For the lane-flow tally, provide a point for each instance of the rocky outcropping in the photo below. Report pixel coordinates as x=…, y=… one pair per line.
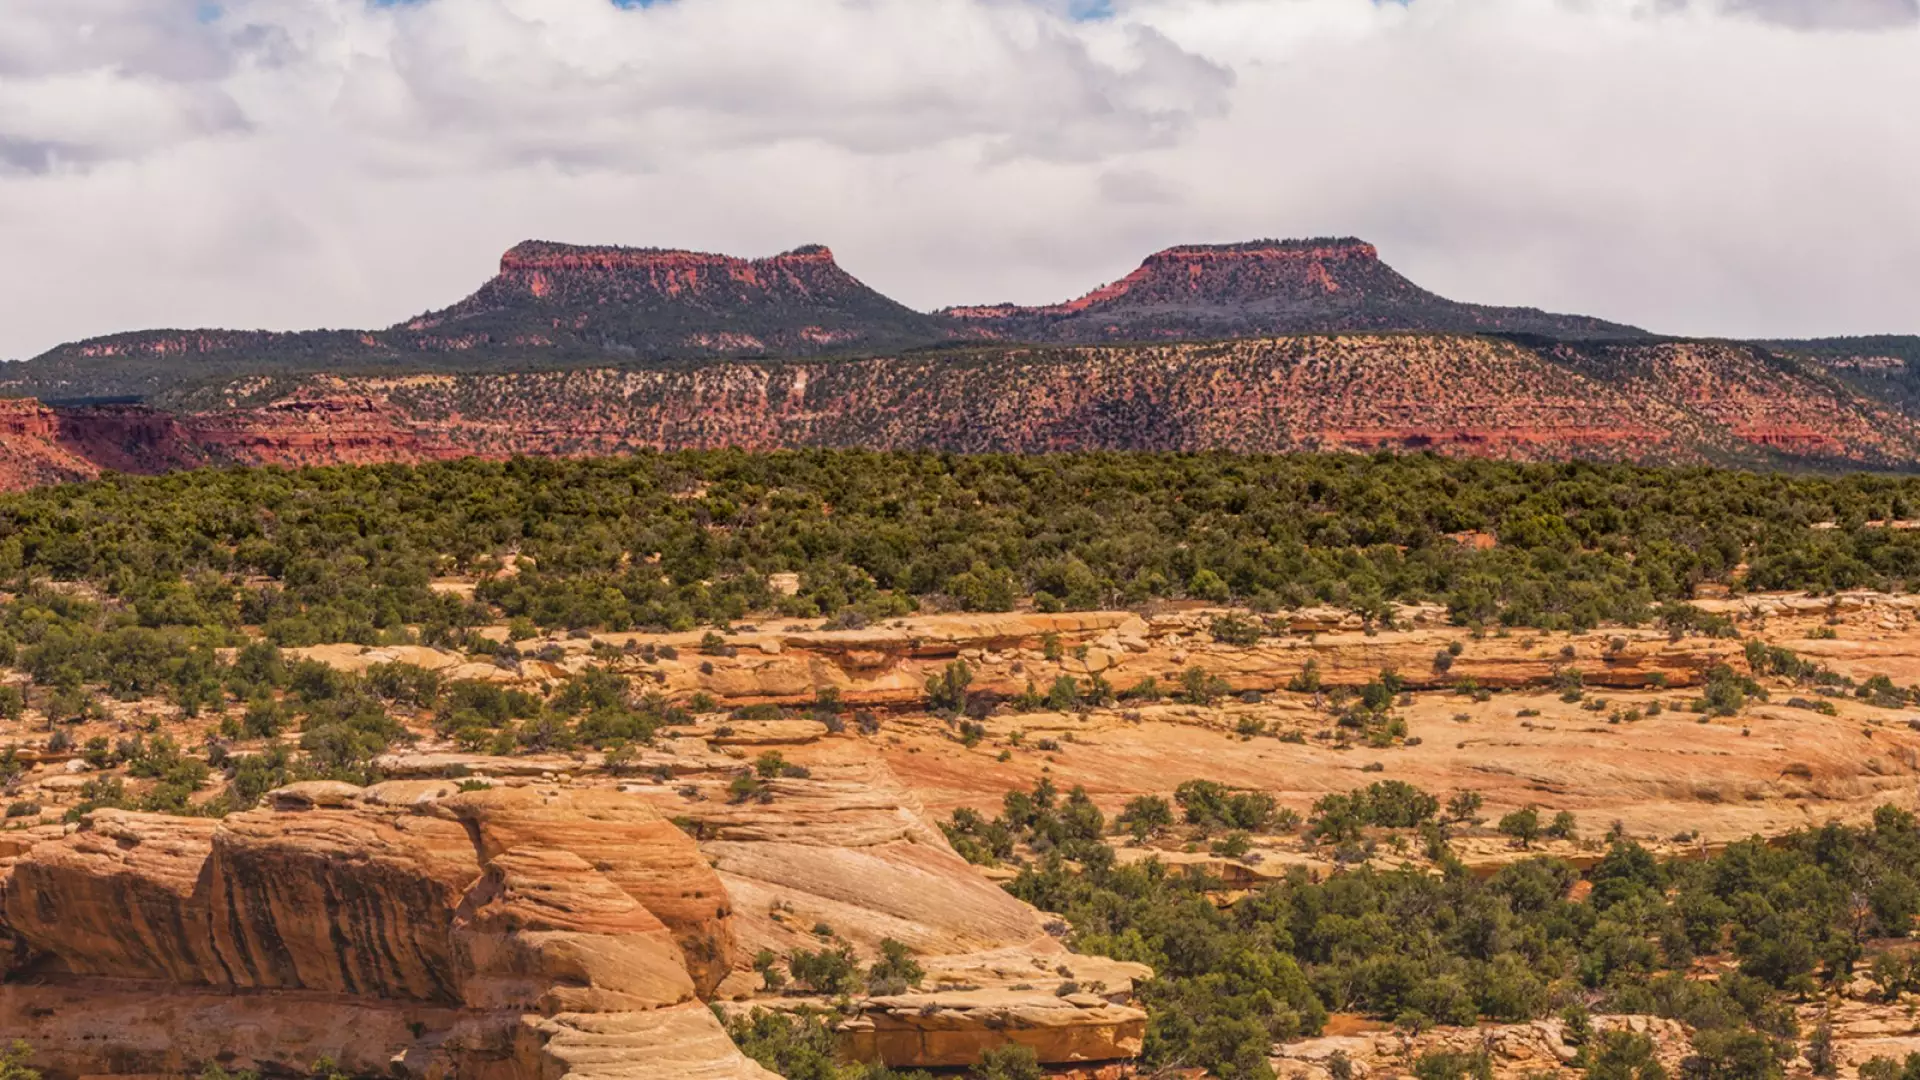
x=534, y=930
x=407, y=925
x=1632, y=750
x=1662, y=403
x=1537, y=1049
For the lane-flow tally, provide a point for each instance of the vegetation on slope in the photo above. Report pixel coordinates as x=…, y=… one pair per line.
x=1885, y=366
x=1774, y=923
x=132, y=587
x=675, y=540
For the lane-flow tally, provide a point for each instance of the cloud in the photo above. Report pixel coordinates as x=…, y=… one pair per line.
x=1719, y=166
x=1832, y=14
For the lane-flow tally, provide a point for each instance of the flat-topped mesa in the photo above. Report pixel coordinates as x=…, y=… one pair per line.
x=552, y=271
x=1251, y=274
x=164, y=345
x=1247, y=273
x=1260, y=287
x=660, y=302
x=541, y=255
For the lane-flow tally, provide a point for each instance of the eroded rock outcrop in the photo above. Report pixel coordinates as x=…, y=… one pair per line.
x=626, y=844
x=340, y=901
x=533, y=929
x=399, y=922
x=1539, y=1048
x=124, y=898
x=848, y=848
x=1667, y=402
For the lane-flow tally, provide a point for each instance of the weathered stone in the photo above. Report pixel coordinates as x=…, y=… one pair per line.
x=342, y=901
x=544, y=931
x=626, y=841
x=121, y=897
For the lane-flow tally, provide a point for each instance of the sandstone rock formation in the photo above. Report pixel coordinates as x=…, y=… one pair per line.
x=543, y=930
x=435, y=933
x=1667, y=402
x=567, y=916
x=1514, y=1050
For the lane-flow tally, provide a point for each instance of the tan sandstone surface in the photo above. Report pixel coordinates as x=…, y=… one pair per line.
x=562, y=917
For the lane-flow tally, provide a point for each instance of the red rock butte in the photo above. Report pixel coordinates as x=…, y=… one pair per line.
x=1216, y=273
x=565, y=273
x=545, y=255
x=655, y=302
x=555, y=304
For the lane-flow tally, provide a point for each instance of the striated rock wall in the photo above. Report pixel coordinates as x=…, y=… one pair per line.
x=533, y=930
x=341, y=901
x=391, y=923
x=1667, y=402
x=630, y=845
x=124, y=898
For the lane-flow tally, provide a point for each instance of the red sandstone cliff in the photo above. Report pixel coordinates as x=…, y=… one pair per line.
x=34, y=449
x=1666, y=402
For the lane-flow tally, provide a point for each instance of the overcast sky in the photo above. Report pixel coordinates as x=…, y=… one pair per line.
x=1736, y=167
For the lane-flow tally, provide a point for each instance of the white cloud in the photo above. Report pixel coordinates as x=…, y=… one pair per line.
x=1738, y=167
x=1832, y=14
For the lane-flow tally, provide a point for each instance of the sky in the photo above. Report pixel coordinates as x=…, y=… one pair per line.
x=1710, y=167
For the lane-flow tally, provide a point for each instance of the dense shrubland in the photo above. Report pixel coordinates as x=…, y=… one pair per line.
x=141, y=587
x=318, y=722
x=677, y=540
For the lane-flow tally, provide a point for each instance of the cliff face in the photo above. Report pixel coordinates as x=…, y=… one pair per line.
x=372, y=927
x=1658, y=403
x=1266, y=287
x=31, y=452
x=519, y=932
x=563, y=274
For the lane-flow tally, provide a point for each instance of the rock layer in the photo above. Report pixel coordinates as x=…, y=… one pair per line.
x=538, y=930
x=1671, y=402
x=366, y=913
